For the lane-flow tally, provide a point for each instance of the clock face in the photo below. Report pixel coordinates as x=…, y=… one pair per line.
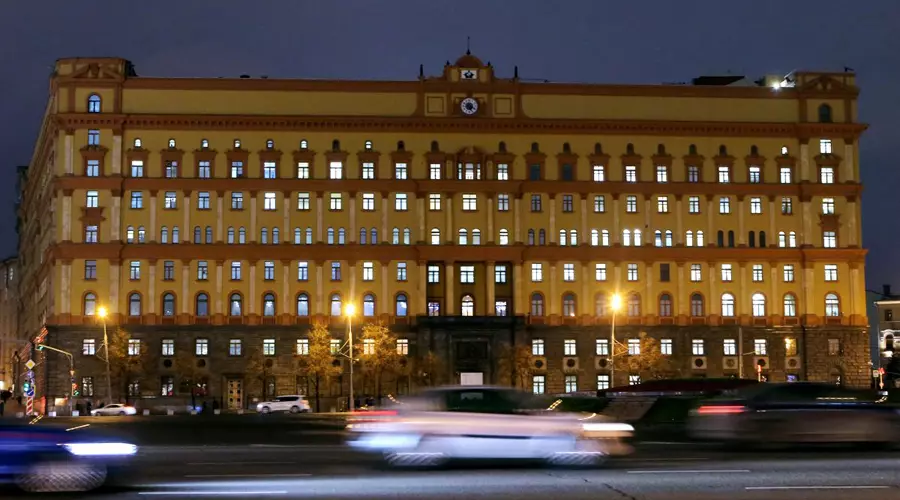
x=469, y=106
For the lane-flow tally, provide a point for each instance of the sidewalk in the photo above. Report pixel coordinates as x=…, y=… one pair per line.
x=12, y=408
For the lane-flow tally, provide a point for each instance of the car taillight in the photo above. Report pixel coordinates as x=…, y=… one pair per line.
x=720, y=410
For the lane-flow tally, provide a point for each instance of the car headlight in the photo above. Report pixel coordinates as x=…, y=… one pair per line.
x=100, y=449
x=607, y=427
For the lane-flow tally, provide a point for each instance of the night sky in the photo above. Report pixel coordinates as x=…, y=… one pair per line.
x=585, y=41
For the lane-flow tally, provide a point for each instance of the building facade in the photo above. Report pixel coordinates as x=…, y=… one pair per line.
x=887, y=329
x=467, y=211
x=11, y=344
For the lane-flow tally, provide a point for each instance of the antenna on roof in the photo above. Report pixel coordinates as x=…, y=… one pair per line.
x=468, y=47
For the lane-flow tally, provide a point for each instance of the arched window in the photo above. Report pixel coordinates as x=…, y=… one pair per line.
x=634, y=305
x=689, y=238
x=637, y=237
x=406, y=235
x=242, y=235
x=595, y=237
x=304, y=144
x=302, y=305
x=792, y=239
x=699, y=238
x=336, y=306
x=269, y=304
x=204, y=144
x=163, y=234
x=626, y=237
x=762, y=239
x=658, y=238
x=665, y=305
x=275, y=236
x=231, y=235
x=402, y=305
x=298, y=236
x=568, y=305
x=824, y=113
x=731, y=239
x=601, y=305
x=395, y=236
x=270, y=144
x=697, y=308
x=209, y=235
x=198, y=235
x=309, y=238
x=168, y=305
x=537, y=304
x=604, y=237
x=235, y=305
x=720, y=238
x=476, y=236
x=94, y=104
x=264, y=236
x=573, y=237
x=531, y=236
x=202, y=305
x=463, y=237
x=562, y=238
x=669, y=237
x=368, y=145
x=782, y=239
x=373, y=236
x=467, y=305
x=435, y=236
x=90, y=304
x=171, y=143
x=137, y=143
x=758, y=301
x=542, y=237
x=363, y=236
x=832, y=306
x=790, y=305
x=342, y=236
x=134, y=304
x=727, y=305
x=330, y=235
x=368, y=305
x=751, y=239
x=504, y=237
x=174, y=234
x=335, y=145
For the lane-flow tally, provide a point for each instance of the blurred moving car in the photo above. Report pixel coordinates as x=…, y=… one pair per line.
x=293, y=404
x=799, y=412
x=50, y=459
x=114, y=409
x=485, y=423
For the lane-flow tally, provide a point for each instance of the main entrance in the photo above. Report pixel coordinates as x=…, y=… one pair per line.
x=235, y=396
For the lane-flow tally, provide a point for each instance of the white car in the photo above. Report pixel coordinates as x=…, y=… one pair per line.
x=293, y=404
x=114, y=409
x=486, y=423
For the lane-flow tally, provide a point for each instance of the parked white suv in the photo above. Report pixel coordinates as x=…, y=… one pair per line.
x=293, y=404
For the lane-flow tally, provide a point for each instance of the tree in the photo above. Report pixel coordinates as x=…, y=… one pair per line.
x=429, y=369
x=378, y=352
x=259, y=369
x=516, y=363
x=319, y=363
x=129, y=362
x=191, y=376
x=650, y=363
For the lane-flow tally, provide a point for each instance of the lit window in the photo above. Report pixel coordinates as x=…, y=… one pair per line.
x=789, y=273
x=538, y=384
x=726, y=273
x=503, y=203
x=757, y=273
x=727, y=305
x=826, y=175
x=502, y=172
x=568, y=272
x=401, y=271
x=201, y=347
x=634, y=347
x=790, y=306
x=470, y=202
x=755, y=205
x=599, y=204
x=235, y=271
x=754, y=175
x=268, y=347
x=724, y=205
x=500, y=274
x=760, y=347
x=434, y=201
x=602, y=382
x=94, y=103
x=758, y=301
x=336, y=201
x=601, y=347
x=269, y=270
x=537, y=273
x=335, y=271
x=696, y=273
x=170, y=201
x=630, y=173
x=787, y=207
x=303, y=170
x=269, y=201
x=694, y=204
x=831, y=272
x=137, y=168
x=827, y=205
x=467, y=306
x=832, y=305
x=537, y=347
x=237, y=200
x=571, y=383
x=203, y=200
x=662, y=204
x=665, y=347
x=825, y=146
x=335, y=170
x=400, y=171
x=368, y=271
x=570, y=347
x=435, y=236
x=786, y=175
x=724, y=174
x=467, y=274
x=698, y=347
x=693, y=173
x=599, y=173
x=93, y=137
x=403, y=347
x=400, y=202
x=434, y=274
x=600, y=272
x=631, y=204
x=434, y=171
x=504, y=237
x=536, y=203
x=632, y=272
x=237, y=169
x=368, y=202
x=829, y=239
x=171, y=169
x=662, y=174
x=729, y=347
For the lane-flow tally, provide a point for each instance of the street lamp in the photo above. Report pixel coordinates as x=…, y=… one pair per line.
x=615, y=303
x=349, y=311
x=101, y=312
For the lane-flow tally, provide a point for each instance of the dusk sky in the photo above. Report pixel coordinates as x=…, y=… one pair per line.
x=584, y=41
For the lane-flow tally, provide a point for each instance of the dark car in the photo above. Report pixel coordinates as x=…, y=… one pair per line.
x=797, y=413
x=39, y=458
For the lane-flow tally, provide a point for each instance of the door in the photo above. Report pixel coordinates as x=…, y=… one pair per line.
x=471, y=378
x=235, y=394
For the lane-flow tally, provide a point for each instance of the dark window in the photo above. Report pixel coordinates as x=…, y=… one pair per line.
x=535, y=147
x=723, y=151
x=692, y=149
x=335, y=145
x=720, y=238
x=660, y=149
x=168, y=308
x=434, y=146
x=664, y=273
x=542, y=237
x=825, y=113
x=751, y=239
x=762, y=239
x=598, y=148
x=754, y=151
x=501, y=147
x=202, y=305
x=731, y=238
x=889, y=315
x=534, y=172
x=629, y=149
x=568, y=173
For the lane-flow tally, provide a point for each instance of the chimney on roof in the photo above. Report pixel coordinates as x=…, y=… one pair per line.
x=245, y=76
x=886, y=290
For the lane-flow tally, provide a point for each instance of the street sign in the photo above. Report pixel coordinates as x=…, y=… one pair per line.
x=29, y=374
x=30, y=364
x=30, y=391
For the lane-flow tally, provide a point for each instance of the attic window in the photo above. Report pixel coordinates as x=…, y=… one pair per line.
x=171, y=143
x=270, y=144
x=237, y=144
x=94, y=103
x=368, y=146
x=304, y=144
x=137, y=143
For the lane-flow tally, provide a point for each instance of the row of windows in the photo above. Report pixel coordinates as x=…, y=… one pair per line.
x=667, y=347
x=235, y=347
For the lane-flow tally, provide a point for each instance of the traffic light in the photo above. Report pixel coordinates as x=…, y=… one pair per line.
x=26, y=387
x=75, y=391
x=40, y=347
x=881, y=371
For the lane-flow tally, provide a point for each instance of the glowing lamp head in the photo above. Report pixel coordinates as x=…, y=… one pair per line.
x=615, y=302
x=101, y=311
x=349, y=310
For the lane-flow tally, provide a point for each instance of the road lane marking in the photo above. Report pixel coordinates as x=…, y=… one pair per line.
x=682, y=459
x=692, y=471
x=77, y=427
x=241, y=463
x=861, y=487
x=213, y=493
x=245, y=475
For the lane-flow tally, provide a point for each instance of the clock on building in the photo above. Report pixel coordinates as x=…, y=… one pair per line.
x=468, y=74
x=469, y=106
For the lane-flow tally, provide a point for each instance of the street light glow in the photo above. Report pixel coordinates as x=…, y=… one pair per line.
x=349, y=310
x=101, y=311
x=615, y=302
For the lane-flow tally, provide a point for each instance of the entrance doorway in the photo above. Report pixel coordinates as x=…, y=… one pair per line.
x=235, y=396
x=471, y=378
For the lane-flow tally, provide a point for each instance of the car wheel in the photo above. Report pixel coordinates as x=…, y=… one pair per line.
x=265, y=409
x=295, y=409
x=46, y=477
x=122, y=413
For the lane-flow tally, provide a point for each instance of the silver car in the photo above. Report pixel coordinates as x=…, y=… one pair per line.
x=292, y=404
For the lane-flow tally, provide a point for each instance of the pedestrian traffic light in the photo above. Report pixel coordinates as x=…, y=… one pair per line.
x=26, y=387
x=75, y=391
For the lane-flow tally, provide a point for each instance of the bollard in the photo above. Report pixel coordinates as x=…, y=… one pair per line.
x=217, y=412
x=75, y=413
x=146, y=412
x=170, y=412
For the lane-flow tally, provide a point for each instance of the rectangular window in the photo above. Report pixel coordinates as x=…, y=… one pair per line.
x=826, y=175
x=829, y=239
x=368, y=346
x=87, y=386
x=237, y=169
x=168, y=270
x=760, y=347
x=694, y=204
x=403, y=347
x=368, y=273
x=201, y=347
x=570, y=347
x=368, y=202
x=789, y=273
x=724, y=174
x=500, y=274
x=786, y=175
x=599, y=173
x=632, y=272
x=134, y=270
x=171, y=169
x=571, y=383
x=790, y=346
x=335, y=170
x=400, y=202
x=664, y=273
x=90, y=269
x=825, y=146
x=235, y=271
x=787, y=206
x=502, y=172
x=500, y=308
x=202, y=271
x=662, y=174
x=368, y=171
x=630, y=173
x=203, y=170
x=724, y=205
x=235, y=347
x=335, y=271
x=134, y=347
x=537, y=347
x=693, y=173
x=470, y=202
x=602, y=382
x=90, y=234
x=401, y=271
x=537, y=273
x=697, y=347
x=400, y=171
x=834, y=347
x=665, y=347
x=634, y=347
x=270, y=202
x=302, y=271
x=535, y=203
x=137, y=199
x=503, y=203
x=599, y=204
x=434, y=274
x=303, y=170
x=93, y=137
x=237, y=200
x=831, y=272
x=303, y=201
x=93, y=168
x=729, y=347
x=335, y=346
x=434, y=171
x=336, y=201
x=696, y=273
x=538, y=384
x=754, y=175
x=137, y=168
x=88, y=347
x=601, y=347
x=203, y=200
x=662, y=204
x=168, y=347
x=92, y=199
x=302, y=347
x=434, y=201
x=755, y=205
x=726, y=273
x=757, y=273
x=827, y=206
x=268, y=347
x=269, y=270
x=600, y=272
x=568, y=272
x=631, y=204
x=467, y=274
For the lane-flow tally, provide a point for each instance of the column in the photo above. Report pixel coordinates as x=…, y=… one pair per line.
x=420, y=207
x=587, y=298
x=847, y=170
x=186, y=207
x=617, y=276
x=286, y=298
x=804, y=162
x=152, y=229
x=740, y=303
x=320, y=299
x=742, y=235
x=647, y=208
x=185, y=281
x=617, y=233
x=114, y=281
x=69, y=153
x=710, y=227
x=385, y=206
x=809, y=278
x=115, y=217
x=806, y=235
x=151, y=288
x=287, y=235
x=67, y=217
x=585, y=232
x=220, y=216
x=116, y=165
x=682, y=302
x=491, y=293
x=519, y=304
x=774, y=302
x=490, y=219
x=251, y=298
x=517, y=230
x=449, y=219
x=419, y=299
x=253, y=236
x=218, y=303
x=352, y=236
x=320, y=223
x=713, y=301
x=648, y=305
x=353, y=298
x=64, y=286
x=386, y=300
x=773, y=230
x=854, y=286
x=851, y=218
x=552, y=236
x=679, y=222
x=449, y=297
x=551, y=297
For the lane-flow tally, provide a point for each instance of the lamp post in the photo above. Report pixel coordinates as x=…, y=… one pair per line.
x=102, y=313
x=349, y=310
x=615, y=303
x=41, y=347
